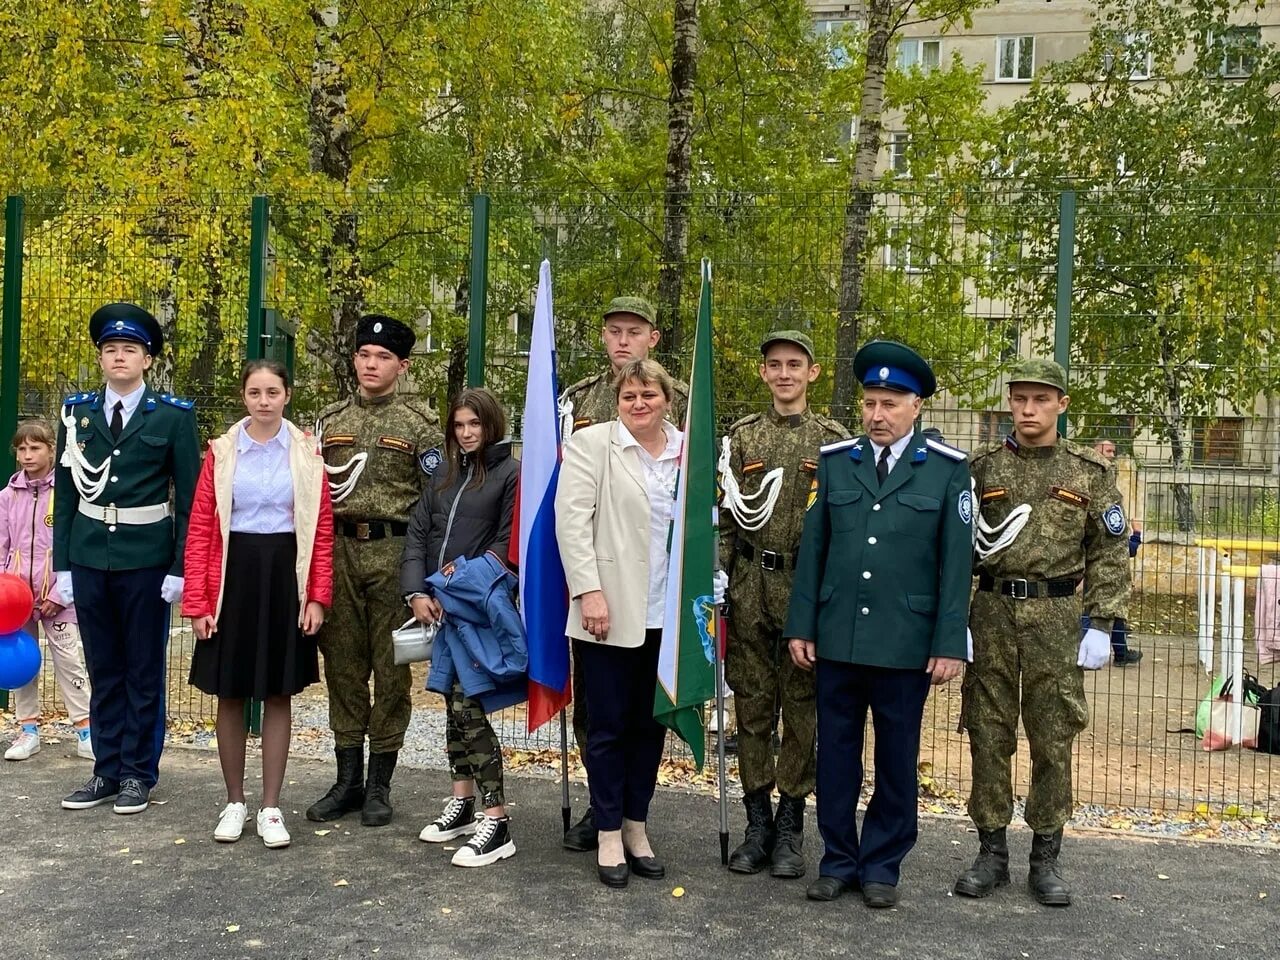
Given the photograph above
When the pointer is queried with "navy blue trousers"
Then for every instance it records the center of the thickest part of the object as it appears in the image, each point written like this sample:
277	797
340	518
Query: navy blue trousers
624	742
896	701
124	625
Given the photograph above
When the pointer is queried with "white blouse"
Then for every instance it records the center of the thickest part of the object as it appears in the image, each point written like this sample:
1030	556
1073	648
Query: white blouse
262	489
660	475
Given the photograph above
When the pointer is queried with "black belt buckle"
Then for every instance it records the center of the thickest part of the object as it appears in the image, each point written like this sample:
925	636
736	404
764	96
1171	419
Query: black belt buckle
1019	589
772	560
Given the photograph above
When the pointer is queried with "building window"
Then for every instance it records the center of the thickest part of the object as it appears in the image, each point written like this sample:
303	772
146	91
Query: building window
914	52
898	144
1239	51
904	248
1218	441
837	52
522	327
1015	58
994	425
1135	55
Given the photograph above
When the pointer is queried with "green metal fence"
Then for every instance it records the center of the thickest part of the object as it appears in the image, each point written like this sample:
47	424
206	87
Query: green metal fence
1160	305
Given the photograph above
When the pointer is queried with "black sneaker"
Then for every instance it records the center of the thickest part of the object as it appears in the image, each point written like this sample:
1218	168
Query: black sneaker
492	842
94	793
457	818
1127	658
134	797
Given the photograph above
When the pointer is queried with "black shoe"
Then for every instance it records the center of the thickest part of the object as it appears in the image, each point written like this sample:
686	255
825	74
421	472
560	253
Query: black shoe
134	797
788	860
347	793
615	876
1127	658
730	744
827	888
376	811
756	850
650	868
990	869
879	896
1044	880
94	793
583	835
492	842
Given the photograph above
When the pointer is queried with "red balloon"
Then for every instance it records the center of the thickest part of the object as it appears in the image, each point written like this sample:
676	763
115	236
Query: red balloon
16	603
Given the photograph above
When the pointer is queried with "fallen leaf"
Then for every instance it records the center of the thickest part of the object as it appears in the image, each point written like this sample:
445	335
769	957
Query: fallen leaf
232	927
1262	894
445	910
1117	896
678	892
136	862
123	850
323	833
1162	876
179	842
158	803
24	798
340	883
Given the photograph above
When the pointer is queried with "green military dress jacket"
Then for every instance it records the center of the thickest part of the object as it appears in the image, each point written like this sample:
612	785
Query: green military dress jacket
883	574
157	456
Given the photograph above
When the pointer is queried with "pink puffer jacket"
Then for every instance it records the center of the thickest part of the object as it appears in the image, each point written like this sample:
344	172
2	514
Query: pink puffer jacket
26	536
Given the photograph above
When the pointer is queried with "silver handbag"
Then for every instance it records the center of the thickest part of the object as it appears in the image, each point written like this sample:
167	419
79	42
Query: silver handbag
412	642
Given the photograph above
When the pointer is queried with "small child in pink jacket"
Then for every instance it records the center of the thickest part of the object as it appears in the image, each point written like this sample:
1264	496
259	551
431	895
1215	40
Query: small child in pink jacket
26	539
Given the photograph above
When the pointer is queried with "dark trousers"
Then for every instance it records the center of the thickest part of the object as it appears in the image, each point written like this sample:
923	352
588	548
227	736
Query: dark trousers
124	625
624	742
1119	637
896	700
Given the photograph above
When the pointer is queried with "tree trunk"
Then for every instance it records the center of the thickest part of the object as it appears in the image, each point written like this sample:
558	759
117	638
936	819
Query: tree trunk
1174	428
857	211
675	197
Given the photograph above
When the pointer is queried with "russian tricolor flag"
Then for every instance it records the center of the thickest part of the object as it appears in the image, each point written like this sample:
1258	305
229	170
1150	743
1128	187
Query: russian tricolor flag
544	596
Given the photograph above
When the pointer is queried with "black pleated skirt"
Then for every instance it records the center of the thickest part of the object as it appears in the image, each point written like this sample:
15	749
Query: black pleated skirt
258	649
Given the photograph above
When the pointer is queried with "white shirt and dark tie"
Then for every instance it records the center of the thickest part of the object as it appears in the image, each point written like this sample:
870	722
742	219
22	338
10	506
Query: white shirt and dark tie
888	456
120	407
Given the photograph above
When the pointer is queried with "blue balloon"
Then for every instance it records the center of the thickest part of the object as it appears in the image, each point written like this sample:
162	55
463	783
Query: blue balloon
19	659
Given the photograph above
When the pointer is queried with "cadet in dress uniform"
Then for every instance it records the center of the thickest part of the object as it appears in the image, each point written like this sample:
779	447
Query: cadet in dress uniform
380	449
1049	516
879	607
768	473
630	331
128	459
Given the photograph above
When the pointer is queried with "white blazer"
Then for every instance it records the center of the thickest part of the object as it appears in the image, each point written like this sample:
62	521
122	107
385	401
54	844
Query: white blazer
602	528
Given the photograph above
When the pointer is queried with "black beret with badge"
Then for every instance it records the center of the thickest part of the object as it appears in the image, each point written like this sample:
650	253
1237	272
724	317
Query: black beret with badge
126	321
379	330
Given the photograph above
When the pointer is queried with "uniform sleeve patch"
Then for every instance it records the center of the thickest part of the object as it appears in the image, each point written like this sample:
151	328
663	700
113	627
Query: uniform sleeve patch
397	443
1073	497
964	506
990	494
753	466
809	465
581	422
339	439
430	461
1113	519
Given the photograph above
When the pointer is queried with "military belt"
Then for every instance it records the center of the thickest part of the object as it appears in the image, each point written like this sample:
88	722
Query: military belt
1028	589
371	529
134	516
769	559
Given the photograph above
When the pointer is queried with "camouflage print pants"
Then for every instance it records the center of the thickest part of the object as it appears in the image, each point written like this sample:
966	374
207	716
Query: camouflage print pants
759	669
356	643
1024	655
474	751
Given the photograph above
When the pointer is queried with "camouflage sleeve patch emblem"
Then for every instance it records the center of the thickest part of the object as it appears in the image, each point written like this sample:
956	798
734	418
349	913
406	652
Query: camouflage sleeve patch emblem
339	439
1113	520
430	461
396	443
990	494
1069	496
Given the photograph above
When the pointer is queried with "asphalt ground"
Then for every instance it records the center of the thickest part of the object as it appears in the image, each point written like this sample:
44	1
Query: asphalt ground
92	884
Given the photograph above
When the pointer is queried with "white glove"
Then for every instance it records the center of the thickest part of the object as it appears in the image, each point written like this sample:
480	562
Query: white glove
968	636
64	587
1095	650
171	589
720	585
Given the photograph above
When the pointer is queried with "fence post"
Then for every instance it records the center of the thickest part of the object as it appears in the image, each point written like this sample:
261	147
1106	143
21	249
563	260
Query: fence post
1066	267
479	289
254	349
10	342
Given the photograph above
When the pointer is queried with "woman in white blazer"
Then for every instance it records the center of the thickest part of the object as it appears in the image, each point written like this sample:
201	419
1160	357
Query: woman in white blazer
613	514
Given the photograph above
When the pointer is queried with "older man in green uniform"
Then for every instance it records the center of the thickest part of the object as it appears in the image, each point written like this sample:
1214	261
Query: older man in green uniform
879	608
379	448
128	458
630	331
768	479
1049	517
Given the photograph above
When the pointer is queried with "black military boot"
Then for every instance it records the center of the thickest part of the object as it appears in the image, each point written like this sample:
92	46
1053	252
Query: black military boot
583	835
788	860
347	793
756	850
990	870
377	791
1044	880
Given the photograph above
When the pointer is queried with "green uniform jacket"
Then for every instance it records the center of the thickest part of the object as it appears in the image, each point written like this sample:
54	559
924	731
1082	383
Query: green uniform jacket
157	449
883	575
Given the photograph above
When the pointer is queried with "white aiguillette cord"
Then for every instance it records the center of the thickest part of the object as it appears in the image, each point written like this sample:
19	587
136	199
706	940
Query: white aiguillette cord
749	515
565	408
342	489
82	470
988	539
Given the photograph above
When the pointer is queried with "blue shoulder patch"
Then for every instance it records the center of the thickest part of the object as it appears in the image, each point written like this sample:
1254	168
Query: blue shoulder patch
75	398
1113	519
430	461
179	402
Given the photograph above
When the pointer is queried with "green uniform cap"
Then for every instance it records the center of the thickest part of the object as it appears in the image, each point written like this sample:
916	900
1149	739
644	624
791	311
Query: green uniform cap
641	307
1048	372
890	365
800	339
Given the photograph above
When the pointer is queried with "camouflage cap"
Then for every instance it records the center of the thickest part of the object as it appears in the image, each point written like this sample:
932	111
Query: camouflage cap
1048	372
641	307
800	339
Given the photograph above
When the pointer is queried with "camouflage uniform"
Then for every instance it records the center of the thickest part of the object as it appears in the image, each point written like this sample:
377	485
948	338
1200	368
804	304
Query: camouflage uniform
594	401
757	665
474	750
402	440
1025	649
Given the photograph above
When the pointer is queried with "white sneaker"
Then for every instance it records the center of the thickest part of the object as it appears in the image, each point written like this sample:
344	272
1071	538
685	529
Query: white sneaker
492	842
457	819
84	748
271	828
25	746
231	823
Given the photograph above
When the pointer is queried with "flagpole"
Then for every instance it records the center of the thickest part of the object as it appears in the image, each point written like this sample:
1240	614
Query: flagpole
566	813
720	761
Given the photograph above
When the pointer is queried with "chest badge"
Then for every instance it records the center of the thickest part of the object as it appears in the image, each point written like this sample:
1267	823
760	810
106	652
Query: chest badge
84	422
753	466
